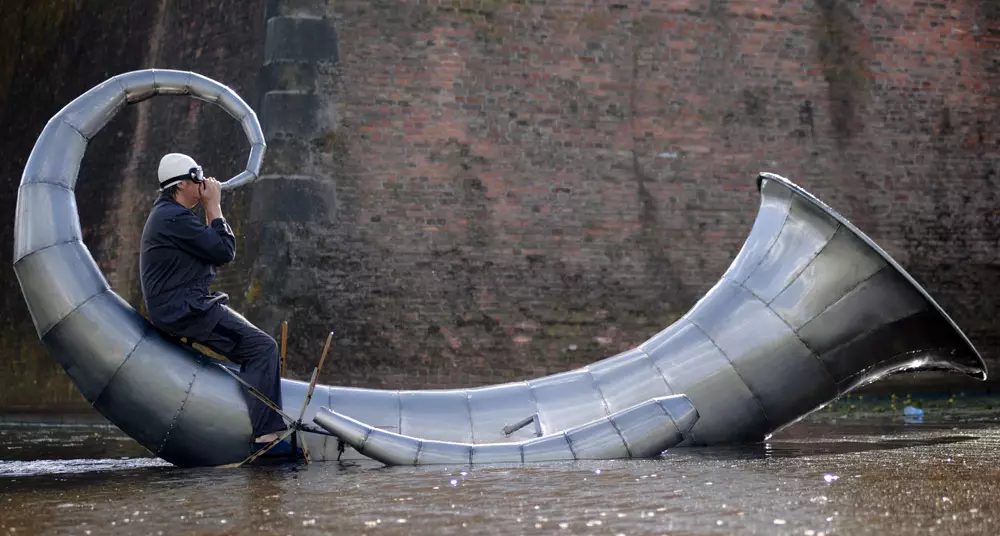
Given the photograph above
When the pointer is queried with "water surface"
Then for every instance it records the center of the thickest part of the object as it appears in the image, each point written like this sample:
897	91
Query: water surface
842	470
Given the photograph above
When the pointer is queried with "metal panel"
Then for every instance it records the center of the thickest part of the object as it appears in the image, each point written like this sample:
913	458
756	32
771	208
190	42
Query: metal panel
256	158
498	406
45	215
168	82
628	379
694	366
435	452
647	430
374	407
213	427
805	233
758	343
436	415
204	88
390	448
774	204
881	299
89	112
234	105
251	127
886	345
352	431
842	265
57	280
95	339
566	400
598	440
145	397
138	85
56	156
547	449
681	411
496	453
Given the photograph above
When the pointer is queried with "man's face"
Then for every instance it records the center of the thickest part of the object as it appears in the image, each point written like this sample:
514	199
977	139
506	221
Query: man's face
191	189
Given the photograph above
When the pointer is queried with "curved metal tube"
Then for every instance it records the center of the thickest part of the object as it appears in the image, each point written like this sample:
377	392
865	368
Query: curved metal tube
641	431
810	309
157	392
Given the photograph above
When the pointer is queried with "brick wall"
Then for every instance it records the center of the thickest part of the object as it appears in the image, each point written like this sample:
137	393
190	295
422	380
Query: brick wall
527	186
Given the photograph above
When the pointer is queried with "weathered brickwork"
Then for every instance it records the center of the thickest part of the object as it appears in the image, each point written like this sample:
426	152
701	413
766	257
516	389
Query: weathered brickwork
527	186
473	191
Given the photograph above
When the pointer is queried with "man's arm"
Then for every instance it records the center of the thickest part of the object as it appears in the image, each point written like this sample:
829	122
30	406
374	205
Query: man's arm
214	242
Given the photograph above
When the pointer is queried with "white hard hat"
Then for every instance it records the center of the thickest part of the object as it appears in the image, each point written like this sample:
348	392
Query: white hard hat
176	167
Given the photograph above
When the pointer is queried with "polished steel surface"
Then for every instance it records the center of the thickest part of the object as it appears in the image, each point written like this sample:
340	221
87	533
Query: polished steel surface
159	393
650	428
809	309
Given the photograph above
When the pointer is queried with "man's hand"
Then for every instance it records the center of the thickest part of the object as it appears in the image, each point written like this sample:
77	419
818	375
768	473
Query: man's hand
211	195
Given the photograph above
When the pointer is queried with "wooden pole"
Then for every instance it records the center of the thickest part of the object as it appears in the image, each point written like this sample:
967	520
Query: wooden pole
284	345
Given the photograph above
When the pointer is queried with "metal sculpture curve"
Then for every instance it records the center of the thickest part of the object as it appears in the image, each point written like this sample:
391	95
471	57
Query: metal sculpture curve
809	309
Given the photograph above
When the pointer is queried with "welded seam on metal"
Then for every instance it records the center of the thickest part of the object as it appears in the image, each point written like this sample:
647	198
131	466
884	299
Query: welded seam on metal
63	243
534	404
620	436
472	425
844	297
416	455
62	119
47	182
657	367
770	246
796	335
569	443
597	387
730	361
672	419
145	336
180	410
804	267
364	441
75	309
871	330
399	406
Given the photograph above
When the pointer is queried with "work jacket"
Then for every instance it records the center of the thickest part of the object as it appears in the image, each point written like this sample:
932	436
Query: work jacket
177	263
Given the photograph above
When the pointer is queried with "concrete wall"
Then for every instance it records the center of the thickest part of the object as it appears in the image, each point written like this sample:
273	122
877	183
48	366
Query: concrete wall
481	191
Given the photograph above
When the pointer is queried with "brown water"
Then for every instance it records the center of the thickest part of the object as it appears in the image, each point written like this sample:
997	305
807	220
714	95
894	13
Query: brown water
842	470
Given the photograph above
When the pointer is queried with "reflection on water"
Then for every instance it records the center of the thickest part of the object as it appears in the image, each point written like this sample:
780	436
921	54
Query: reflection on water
859	473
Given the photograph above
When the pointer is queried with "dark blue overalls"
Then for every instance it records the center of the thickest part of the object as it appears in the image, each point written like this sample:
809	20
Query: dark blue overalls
178	262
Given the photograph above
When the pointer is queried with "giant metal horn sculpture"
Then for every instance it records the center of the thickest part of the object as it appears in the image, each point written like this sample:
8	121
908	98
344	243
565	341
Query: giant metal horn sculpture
810	309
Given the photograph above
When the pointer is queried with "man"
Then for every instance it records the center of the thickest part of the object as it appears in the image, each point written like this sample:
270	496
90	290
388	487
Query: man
178	261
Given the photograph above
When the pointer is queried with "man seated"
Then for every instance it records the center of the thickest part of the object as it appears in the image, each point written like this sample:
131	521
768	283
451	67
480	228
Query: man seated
178	262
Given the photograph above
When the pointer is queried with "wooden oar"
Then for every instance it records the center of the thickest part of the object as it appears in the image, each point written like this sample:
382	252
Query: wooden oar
284	345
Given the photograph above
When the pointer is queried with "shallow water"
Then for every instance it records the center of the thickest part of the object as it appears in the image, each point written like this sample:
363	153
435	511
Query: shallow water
841	470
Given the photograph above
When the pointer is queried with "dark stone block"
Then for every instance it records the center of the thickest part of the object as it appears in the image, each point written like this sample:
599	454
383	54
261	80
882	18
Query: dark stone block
290	113
299	38
288	75
293	199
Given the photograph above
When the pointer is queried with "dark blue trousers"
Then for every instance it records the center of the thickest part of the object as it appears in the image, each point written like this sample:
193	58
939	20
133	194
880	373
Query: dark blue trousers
260	365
